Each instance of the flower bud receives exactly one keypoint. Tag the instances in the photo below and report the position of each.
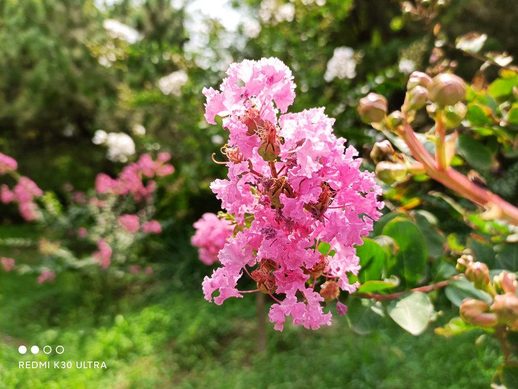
(447, 89)
(506, 282)
(390, 173)
(372, 108)
(454, 115)
(417, 98)
(382, 151)
(506, 307)
(418, 79)
(478, 273)
(329, 290)
(463, 262)
(394, 120)
(476, 312)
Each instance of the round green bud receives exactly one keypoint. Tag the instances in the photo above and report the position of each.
(417, 98)
(391, 173)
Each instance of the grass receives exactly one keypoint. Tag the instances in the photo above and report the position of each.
(164, 336)
(168, 338)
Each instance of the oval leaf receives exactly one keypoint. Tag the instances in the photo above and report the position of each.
(413, 312)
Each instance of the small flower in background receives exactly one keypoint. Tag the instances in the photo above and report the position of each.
(172, 83)
(121, 31)
(273, 11)
(120, 145)
(82, 232)
(138, 130)
(152, 227)
(341, 65)
(103, 254)
(7, 164)
(406, 66)
(46, 275)
(210, 237)
(23, 193)
(8, 264)
(130, 223)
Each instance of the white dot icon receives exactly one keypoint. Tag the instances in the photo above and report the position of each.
(22, 349)
(35, 350)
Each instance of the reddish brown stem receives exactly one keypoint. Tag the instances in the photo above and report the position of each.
(393, 296)
(440, 144)
(458, 182)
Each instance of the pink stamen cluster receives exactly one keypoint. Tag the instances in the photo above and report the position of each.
(291, 185)
(136, 179)
(210, 237)
(23, 193)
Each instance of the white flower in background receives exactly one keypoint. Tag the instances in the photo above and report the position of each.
(251, 28)
(172, 83)
(471, 42)
(406, 66)
(120, 145)
(100, 137)
(272, 11)
(217, 139)
(121, 31)
(138, 129)
(320, 3)
(341, 65)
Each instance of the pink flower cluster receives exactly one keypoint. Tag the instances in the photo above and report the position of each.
(131, 224)
(291, 185)
(103, 255)
(136, 179)
(23, 193)
(7, 164)
(210, 237)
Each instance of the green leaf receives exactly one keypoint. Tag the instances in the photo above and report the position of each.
(372, 260)
(324, 248)
(455, 326)
(507, 256)
(435, 240)
(512, 115)
(364, 315)
(413, 312)
(477, 116)
(380, 224)
(510, 376)
(477, 155)
(376, 286)
(462, 289)
(411, 258)
(502, 87)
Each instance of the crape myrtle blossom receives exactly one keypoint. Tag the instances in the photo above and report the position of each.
(24, 192)
(210, 237)
(7, 164)
(136, 179)
(120, 145)
(292, 186)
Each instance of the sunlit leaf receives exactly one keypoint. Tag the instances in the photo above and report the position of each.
(412, 313)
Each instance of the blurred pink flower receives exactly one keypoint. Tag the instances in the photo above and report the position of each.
(6, 195)
(103, 254)
(82, 232)
(210, 237)
(7, 164)
(46, 275)
(130, 223)
(152, 227)
(8, 264)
